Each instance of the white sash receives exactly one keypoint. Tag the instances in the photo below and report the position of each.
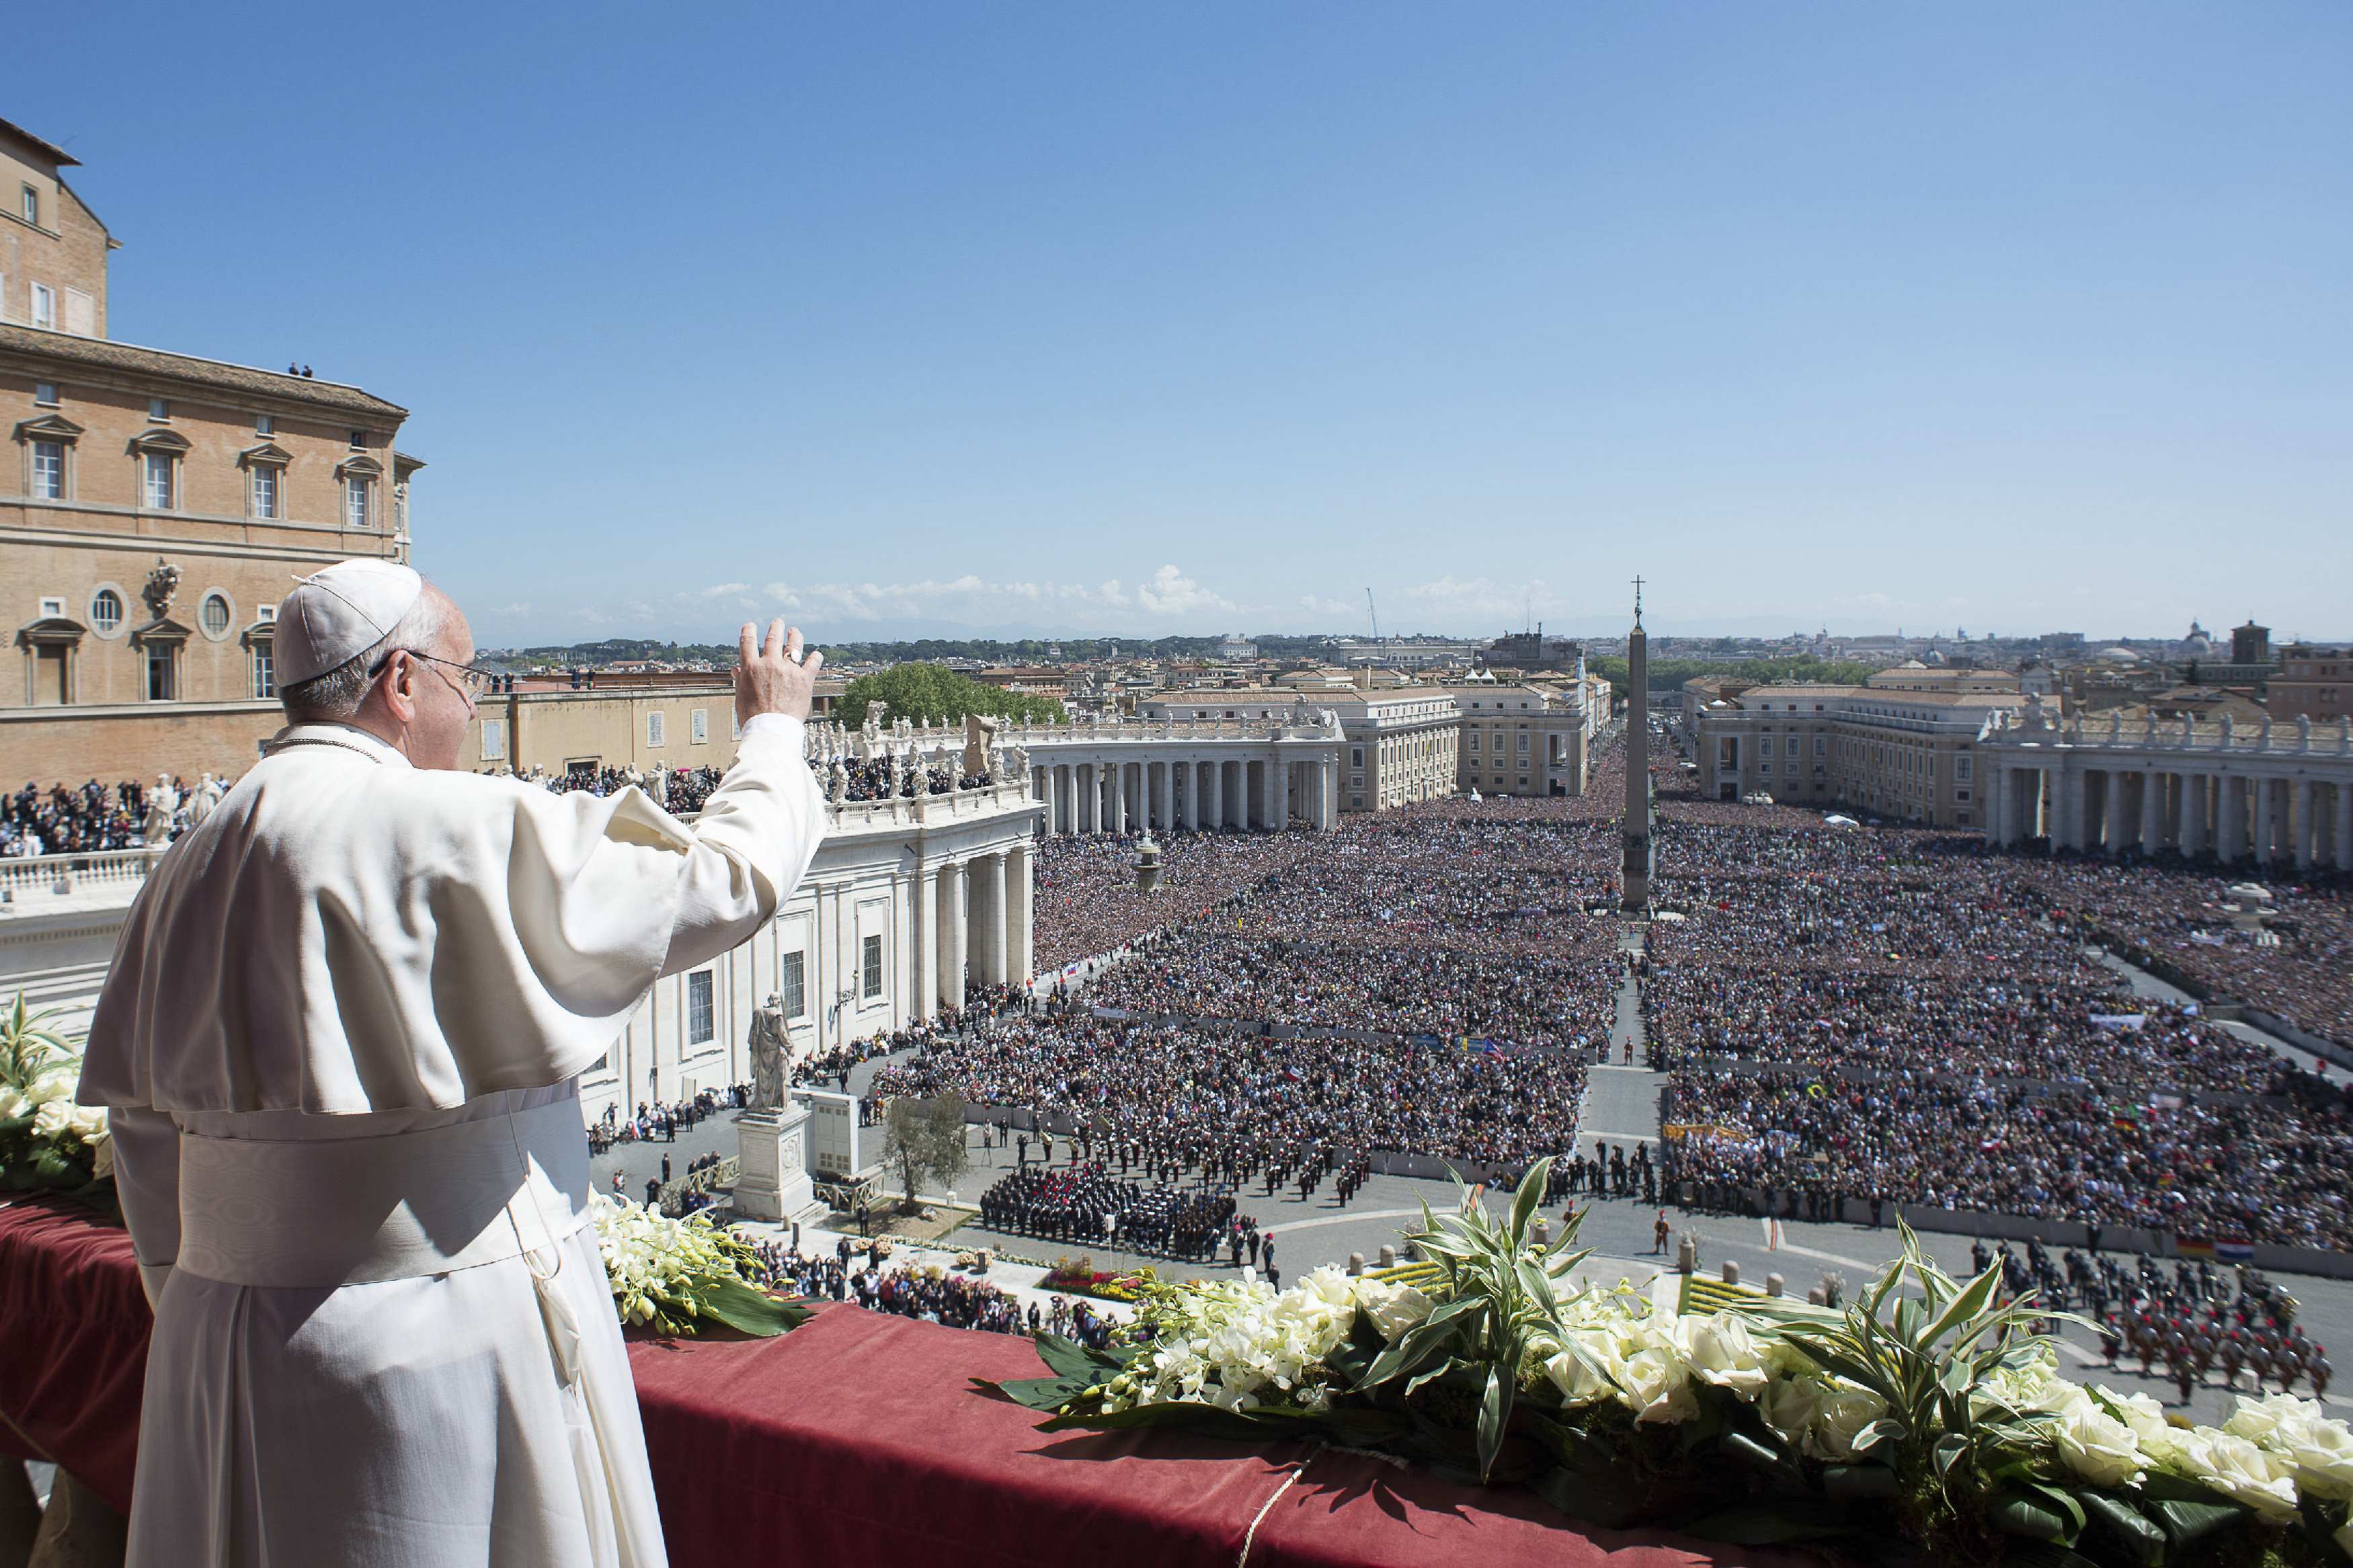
(327, 1212)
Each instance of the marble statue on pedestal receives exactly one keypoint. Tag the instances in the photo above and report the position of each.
(770, 1055)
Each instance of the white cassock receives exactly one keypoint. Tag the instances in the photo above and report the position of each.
(340, 1049)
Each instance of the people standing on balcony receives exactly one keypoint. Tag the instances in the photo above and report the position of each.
(339, 1048)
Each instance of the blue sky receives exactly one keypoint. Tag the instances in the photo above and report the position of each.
(2015, 317)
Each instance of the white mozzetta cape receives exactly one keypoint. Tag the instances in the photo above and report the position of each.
(339, 1045)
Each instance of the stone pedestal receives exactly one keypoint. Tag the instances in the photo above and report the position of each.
(772, 1179)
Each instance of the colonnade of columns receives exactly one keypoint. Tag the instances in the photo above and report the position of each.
(1246, 794)
(2263, 818)
(972, 926)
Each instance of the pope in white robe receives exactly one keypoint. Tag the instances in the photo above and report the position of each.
(340, 1049)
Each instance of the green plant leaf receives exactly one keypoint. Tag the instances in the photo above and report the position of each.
(2138, 1537)
(1069, 1358)
(2184, 1521)
(1494, 1410)
(1966, 1306)
(1525, 1201)
(2015, 1512)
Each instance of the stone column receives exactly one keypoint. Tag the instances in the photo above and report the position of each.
(2071, 791)
(1042, 787)
(926, 967)
(1191, 771)
(1282, 813)
(1214, 807)
(2152, 812)
(2344, 825)
(1019, 952)
(1117, 820)
(2305, 838)
(954, 925)
(1328, 794)
(2231, 837)
(2193, 815)
(2266, 822)
(989, 904)
(1164, 795)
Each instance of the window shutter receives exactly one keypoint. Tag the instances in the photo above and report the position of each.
(81, 314)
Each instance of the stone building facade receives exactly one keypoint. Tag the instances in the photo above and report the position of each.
(1265, 773)
(154, 508)
(2312, 683)
(2277, 794)
(1400, 743)
(907, 903)
(1907, 755)
(1526, 740)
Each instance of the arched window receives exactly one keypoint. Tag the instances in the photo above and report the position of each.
(215, 615)
(105, 611)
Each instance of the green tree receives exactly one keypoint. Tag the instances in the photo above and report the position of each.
(924, 1138)
(933, 691)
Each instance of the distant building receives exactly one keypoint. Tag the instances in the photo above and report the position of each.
(1402, 744)
(1921, 678)
(1532, 651)
(2251, 644)
(157, 508)
(1525, 740)
(2312, 683)
(1238, 649)
(1906, 754)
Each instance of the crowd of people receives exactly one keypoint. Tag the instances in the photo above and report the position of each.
(655, 1122)
(2291, 956)
(1085, 899)
(1889, 1014)
(929, 1293)
(1241, 1102)
(1083, 1204)
(92, 818)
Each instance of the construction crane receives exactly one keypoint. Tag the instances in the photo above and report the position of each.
(1377, 624)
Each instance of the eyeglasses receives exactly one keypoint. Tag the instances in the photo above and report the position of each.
(472, 680)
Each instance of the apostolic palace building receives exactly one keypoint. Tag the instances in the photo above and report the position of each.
(154, 507)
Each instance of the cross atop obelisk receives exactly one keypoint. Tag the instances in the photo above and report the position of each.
(1634, 881)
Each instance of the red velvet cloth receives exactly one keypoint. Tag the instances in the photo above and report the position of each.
(73, 1344)
(858, 1437)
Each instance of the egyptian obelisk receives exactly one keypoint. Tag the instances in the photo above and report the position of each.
(1634, 897)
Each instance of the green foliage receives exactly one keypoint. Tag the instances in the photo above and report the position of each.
(1498, 1293)
(30, 1046)
(926, 1138)
(933, 692)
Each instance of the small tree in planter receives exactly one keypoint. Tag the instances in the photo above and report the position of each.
(924, 1138)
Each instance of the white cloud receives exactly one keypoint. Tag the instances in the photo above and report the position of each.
(1485, 597)
(1171, 592)
(726, 590)
(1317, 605)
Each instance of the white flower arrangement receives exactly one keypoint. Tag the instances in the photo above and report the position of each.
(46, 1140)
(1238, 1344)
(1795, 1419)
(669, 1275)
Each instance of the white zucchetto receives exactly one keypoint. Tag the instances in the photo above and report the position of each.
(335, 616)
